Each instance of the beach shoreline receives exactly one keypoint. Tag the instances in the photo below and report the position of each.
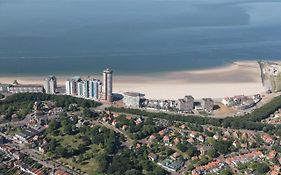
(238, 78)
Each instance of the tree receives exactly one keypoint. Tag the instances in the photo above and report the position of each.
(222, 147)
(182, 147)
(52, 145)
(85, 104)
(204, 160)
(133, 172)
(87, 113)
(53, 126)
(278, 132)
(192, 151)
(61, 151)
(68, 129)
(120, 163)
(159, 171)
(208, 133)
(10, 110)
(101, 158)
(212, 153)
(262, 168)
(226, 172)
(146, 164)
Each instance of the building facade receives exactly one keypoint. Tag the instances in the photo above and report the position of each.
(186, 104)
(71, 86)
(86, 89)
(133, 99)
(95, 89)
(4, 88)
(91, 88)
(50, 85)
(80, 89)
(68, 87)
(107, 85)
(26, 89)
(208, 104)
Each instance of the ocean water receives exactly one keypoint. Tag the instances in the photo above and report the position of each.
(41, 37)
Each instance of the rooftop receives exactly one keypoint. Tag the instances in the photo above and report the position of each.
(27, 86)
(107, 70)
(134, 94)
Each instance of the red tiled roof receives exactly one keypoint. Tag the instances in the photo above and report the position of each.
(61, 172)
(272, 154)
(275, 170)
(209, 166)
(250, 155)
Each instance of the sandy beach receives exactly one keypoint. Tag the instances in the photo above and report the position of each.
(234, 79)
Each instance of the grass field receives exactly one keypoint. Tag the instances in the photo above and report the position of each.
(89, 165)
(85, 162)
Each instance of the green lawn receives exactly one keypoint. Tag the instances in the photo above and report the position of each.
(89, 165)
(68, 140)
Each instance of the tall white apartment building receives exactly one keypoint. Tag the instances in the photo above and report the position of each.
(107, 85)
(71, 86)
(95, 88)
(80, 89)
(50, 85)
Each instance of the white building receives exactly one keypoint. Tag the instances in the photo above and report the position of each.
(80, 89)
(4, 87)
(132, 99)
(86, 88)
(25, 89)
(107, 85)
(71, 86)
(50, 85)
(90, 89)
(95, 89)
(68, 87)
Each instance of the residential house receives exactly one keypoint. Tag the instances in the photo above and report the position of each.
(171, 165)
(61, 172)
(43, 148)
(272, 154)
(211, 167)
(236, 160)
(166, 139)
(153, 157)
(275, 170)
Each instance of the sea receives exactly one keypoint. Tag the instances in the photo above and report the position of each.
(63, 37)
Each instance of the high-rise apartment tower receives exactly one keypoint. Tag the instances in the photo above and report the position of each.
(107, 85)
